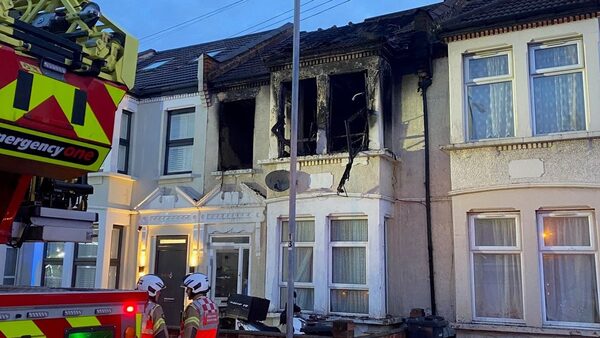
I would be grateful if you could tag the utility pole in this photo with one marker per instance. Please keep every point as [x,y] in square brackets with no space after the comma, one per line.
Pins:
[293,174]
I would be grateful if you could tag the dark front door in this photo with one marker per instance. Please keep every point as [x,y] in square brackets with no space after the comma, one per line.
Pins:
[171,254]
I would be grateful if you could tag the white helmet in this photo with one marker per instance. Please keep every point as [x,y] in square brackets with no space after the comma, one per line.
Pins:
[150,283]
[197,282]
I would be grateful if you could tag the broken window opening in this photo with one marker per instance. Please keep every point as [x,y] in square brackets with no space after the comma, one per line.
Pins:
[307,118]
[236,135]
[348,118]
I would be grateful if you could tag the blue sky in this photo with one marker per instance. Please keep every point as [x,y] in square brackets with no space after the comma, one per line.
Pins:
[209,20]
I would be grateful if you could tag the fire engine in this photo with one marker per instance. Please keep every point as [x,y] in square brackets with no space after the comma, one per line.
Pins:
[64,68]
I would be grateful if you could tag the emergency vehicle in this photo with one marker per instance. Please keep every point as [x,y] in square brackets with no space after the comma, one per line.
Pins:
[70,313]
[64,68]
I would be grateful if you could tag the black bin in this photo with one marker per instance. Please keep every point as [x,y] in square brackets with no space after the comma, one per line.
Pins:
[247,307]
[429,327]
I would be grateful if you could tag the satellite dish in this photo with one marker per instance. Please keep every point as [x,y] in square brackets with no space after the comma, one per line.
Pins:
[278,180]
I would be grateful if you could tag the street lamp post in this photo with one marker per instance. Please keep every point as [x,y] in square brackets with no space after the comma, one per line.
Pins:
[293,173]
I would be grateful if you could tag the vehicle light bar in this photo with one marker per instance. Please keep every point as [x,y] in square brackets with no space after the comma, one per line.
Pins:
[37,314]
[71,313]
[103,311]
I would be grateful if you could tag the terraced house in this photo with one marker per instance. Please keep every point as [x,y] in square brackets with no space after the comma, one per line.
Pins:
[448,161]
[524,122]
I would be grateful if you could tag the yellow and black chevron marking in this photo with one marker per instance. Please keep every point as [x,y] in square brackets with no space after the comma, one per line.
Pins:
[31,89]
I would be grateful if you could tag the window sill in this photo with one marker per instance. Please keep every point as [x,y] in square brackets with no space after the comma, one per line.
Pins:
[233,172]
[110,174]
[569,136]
[522,328]
[176,178]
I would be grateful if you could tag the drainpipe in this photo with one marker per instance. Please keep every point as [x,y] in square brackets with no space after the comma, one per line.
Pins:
[425,81]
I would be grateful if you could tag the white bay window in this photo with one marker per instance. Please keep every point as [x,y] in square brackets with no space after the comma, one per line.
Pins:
[558,89]
[569,267]
[496,267]
[489,98]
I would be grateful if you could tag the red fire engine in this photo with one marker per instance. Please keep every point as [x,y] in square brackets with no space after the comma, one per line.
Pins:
[64,68]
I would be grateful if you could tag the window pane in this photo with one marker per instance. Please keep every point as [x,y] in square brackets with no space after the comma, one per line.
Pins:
[304,264]
[180,159]
[488,67]
[53,275]
[112,277]
[349,265]
[498,291]
[85,276]
[115,240]
[231,239]
[566,231]
[495,232]
[490,110]
[122,158]
[570,288]
[350,301]
[304,298]
[55,250]
[355,230]
[124,126]
[182,126]
[559,104]
[8,281]
[556,56]
[87,250]
[10,262]
[305,231]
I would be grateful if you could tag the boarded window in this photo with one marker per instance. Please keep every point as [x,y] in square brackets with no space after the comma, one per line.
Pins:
[348,119]
[236,139]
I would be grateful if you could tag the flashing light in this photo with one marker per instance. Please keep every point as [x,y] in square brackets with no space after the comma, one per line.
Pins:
[129,309]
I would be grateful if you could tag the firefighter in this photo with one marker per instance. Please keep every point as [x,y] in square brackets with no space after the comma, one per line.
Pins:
[153,319]
[201,316]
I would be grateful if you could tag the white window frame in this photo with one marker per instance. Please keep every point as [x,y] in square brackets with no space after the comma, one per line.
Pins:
[591,249]
[339,286]
[570,69]
[175,143]
[284,246]
[467,82]
[474,249]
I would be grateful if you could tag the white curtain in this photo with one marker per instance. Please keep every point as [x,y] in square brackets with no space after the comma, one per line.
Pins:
[490,105]
[497,276]
[558,102]
[180,159]
[85,276]
[570,285]
[304,234]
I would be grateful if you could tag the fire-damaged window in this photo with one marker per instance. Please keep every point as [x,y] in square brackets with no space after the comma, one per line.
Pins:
[348,125]
[307,114]
[236,134]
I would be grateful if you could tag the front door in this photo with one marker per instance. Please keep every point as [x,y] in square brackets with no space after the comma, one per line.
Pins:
[230,269]
[171,264]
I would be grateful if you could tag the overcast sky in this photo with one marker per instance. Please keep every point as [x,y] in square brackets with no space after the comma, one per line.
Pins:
[209,20]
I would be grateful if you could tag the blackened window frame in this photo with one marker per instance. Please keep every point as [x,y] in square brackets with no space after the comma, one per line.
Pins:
[176,143]
[126,142]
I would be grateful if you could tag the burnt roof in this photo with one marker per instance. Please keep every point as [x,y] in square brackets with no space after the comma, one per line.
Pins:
[477,15]
[181,70]
[394,31]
